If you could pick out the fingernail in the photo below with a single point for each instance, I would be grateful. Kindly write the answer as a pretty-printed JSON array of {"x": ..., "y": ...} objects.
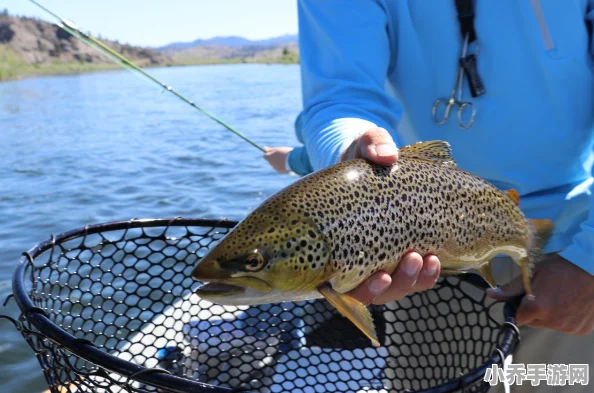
[
  {"x": 378, "y": 286},
  {"x": 385, "y": 150},
  {"x": 411, "y": 268},
  {"x": 431, "y": 269}
]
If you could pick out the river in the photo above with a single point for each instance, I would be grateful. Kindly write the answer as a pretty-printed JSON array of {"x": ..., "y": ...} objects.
[{"x": 109, "y": 146}]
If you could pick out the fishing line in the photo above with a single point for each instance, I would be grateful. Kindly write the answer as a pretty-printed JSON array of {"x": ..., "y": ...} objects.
[{"x": 128, "y": 64}]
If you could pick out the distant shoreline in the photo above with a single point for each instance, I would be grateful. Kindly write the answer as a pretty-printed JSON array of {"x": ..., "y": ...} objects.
[
  {"x": 75, "y": 68},
  {"x": 30, "y": 47}
]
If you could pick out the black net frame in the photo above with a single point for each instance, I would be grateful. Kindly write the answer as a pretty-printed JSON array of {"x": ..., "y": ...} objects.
[{"x": 70, "y": 286}]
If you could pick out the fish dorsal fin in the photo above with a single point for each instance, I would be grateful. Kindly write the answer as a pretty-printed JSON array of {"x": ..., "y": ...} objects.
[
  {"x": 514, "y": 196},
  {"x": 438, "y": 151}
]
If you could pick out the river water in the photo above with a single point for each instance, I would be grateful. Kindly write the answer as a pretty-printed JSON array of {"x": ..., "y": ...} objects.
[{"x": 109, "y": 146}]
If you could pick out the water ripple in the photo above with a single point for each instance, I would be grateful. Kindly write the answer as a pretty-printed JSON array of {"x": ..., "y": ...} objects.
[{"x": 76, "y": 150}]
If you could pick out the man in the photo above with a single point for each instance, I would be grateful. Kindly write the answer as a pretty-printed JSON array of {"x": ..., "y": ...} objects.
[{"x": 371, "y": 73}]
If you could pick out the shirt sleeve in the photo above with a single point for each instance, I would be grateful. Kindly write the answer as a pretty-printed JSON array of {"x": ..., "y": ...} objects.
[
  {"x": 345, "y": 56},
  {"x": 298, "y": 161}
]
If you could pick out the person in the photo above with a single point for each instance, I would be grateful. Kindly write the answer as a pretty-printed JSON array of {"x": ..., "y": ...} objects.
[{"x": 371, "y": 73}]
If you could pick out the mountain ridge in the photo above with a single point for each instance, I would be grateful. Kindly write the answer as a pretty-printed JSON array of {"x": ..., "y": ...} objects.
[{"x": 231, "y": 41}]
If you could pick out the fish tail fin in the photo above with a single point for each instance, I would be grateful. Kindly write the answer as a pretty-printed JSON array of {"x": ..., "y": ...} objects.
[{"x": 541, "y": 231}]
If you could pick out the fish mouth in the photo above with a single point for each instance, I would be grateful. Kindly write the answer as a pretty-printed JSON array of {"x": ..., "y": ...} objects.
[
  {"x": 232, "y": 286},
  {"x": 219, "y": 289}
]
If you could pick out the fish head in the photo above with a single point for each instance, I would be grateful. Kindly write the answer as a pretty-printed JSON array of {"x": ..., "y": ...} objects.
[{"x": 267, "y": 258}]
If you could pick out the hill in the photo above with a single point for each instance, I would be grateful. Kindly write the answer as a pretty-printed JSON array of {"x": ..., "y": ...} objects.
[
  {"x": 29, "y": 46},
  {"x": 233, "y": 49}
]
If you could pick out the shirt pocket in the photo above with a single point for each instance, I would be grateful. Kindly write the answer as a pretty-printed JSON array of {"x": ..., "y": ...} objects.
[{"x": 560, "y": 27}]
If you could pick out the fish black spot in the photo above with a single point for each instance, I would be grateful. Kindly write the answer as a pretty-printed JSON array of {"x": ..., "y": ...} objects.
[
  {"x": 311, "y": 233},
  {"x": 309, "y": 258},
  {"x": 271, "y": 230}
]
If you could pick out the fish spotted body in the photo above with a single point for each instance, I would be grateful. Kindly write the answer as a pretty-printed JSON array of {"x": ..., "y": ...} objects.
[{"x": 325, "y": 234}]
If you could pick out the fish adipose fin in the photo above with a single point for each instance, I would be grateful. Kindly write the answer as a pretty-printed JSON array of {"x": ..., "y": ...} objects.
[
  {"x": 354, "y": 310},
  {"x": 514, "y": 196},
  {"x": 438, "y": 151},
  {"x": 541, "y": 232}
]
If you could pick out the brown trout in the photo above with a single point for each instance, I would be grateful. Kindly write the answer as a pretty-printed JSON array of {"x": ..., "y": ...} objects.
[{"x": 329, "y": 231}]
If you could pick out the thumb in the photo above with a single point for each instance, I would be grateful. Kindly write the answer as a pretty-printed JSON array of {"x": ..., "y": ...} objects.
[
  {"x": 377, "y": 146},
  {"x": 508, "y": 291}
]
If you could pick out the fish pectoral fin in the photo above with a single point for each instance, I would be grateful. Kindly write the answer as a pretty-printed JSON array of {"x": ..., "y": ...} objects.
[
  {"x": 439, "y": 151},
  {"x": 486, "y": 273},
  {"x": 352, "y": 309},
  {"x": 514, "y": 196}
]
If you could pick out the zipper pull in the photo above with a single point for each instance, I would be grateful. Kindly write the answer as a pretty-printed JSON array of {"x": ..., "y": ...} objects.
[{"x": 469, "y": 64}]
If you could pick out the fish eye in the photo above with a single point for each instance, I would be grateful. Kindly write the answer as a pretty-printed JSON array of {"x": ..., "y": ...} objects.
[{"x": 254, "y": 262}]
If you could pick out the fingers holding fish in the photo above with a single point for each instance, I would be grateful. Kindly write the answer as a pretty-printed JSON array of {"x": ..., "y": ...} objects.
[
  {"x": 413, "y": 274},
  {"x": 370, "y": 289},
  {"x": 332, "y": 231},
  {"x": 429, "y": 274},
  {"x": 376, "y": 145},
  {"x": 568, "y": 308}
]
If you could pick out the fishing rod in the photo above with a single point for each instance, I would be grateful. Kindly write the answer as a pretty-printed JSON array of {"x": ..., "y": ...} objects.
[{"x": 120, "y": 59}]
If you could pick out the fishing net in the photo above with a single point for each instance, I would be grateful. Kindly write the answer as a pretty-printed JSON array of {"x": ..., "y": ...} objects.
[{"x": 111, "y": 308}]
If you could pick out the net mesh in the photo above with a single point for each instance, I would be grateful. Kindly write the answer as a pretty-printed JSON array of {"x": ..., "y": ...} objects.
[{"x": 127, "y": 291}]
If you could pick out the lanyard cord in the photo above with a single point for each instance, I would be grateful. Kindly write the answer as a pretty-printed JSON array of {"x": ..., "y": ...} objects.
[{"x": 465, "y": 9}]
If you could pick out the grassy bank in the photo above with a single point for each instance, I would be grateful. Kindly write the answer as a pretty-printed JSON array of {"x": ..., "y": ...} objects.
[{"x": 12, "y": 66}]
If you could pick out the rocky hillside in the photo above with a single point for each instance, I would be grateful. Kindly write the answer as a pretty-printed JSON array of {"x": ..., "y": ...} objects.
[
  {"x": 38, "y": 42},
  {"x": 30, "y": 46}
]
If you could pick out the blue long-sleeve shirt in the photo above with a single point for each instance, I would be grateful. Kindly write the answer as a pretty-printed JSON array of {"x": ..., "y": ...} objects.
[{"x": 383, "y": 63}]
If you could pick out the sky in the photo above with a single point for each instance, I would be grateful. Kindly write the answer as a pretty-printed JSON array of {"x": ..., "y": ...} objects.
[{"x": 159, "y": 22}]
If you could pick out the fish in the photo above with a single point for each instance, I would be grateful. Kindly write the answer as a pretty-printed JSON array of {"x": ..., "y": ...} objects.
[{"x": 324, "y": 234}]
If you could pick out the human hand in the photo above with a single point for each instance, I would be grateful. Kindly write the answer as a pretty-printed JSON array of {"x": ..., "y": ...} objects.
[
  {"x": 564, "y": 297},
  {"x": 277, "y": 157},
  {"x": 414, "y": 273}
]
